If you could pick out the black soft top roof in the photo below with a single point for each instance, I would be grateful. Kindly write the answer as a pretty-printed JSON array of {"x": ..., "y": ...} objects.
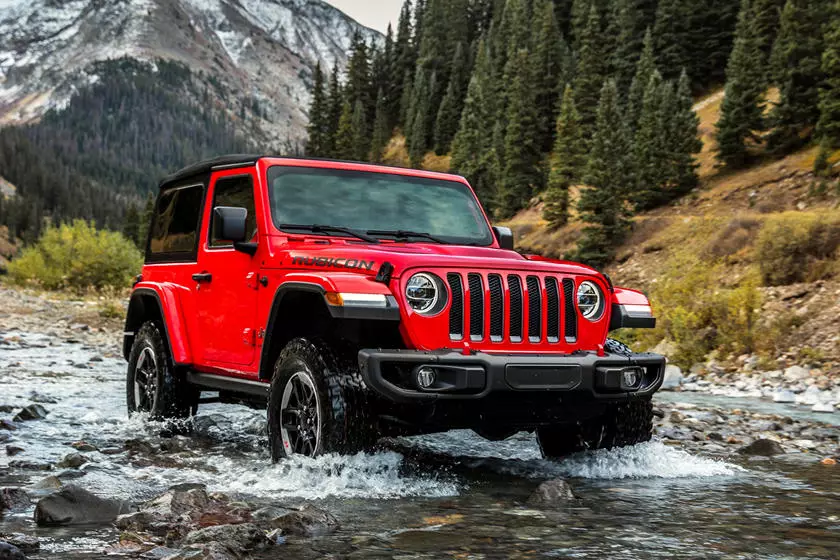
[{"x": 204, "y": 167}]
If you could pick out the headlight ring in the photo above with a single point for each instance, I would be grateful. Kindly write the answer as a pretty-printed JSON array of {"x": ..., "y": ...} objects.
[
  {"x": 425, "y": 294},
  {"x": 590, "y": 301}
]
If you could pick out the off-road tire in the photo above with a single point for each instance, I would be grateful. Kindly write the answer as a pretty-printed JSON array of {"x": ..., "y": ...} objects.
[
  {"x": 346, "y": 426},
  {"x": 622, "y": 424},
  {"x": 173, "y": 397}
]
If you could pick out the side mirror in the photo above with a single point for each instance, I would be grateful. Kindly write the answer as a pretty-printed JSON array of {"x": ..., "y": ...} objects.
[
  {"x": 504, "y": 237},
  {"x": 229, "y": 223}
]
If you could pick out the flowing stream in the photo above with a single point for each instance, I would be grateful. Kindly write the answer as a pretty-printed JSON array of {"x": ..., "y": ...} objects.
[{"x": 447, "y": 495}]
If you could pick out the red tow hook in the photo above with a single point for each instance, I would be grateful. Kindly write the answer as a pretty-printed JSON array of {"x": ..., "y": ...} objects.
[
  {"x": 600, "y": 351},
  {"x": 467, "y": 351}
]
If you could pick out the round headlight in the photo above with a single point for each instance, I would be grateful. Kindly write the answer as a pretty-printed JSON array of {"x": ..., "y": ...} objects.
[
  {"x": 589, "y": 301},
  {"x": 423, "y": 293}
]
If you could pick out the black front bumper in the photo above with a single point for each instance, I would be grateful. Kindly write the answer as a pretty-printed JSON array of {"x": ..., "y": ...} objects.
[{"x": 582, "y": 376}]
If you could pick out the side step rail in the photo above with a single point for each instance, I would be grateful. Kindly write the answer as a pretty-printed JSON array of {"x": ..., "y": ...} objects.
[{"x": 211, "y": 382}]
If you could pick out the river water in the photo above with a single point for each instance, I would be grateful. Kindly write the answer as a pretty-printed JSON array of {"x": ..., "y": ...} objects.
[{"x": 449, "y": 495}]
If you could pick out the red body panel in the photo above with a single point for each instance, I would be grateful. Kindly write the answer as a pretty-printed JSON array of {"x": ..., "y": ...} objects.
[{"x": 218, "y": 327}]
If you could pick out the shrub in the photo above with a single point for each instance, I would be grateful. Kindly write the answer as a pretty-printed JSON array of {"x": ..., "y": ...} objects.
[
  {"x": 77, "y": 257},
  {"x": 798, "y": 247}
]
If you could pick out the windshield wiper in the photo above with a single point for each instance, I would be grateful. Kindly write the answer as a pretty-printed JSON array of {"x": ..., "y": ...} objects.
[
  {"x": 318, "y": 228},
  {"x": 404, "y": 234}
]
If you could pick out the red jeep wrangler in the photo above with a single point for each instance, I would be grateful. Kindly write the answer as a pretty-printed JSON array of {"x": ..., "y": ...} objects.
[{"x": 358, "y": 301}]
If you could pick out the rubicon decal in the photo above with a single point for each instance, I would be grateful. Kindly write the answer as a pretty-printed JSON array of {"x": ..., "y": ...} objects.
[{"x": 329, "y": 262}]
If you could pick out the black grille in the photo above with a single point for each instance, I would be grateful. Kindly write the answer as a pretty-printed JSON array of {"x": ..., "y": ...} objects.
[
  {"x": 552, "y": 298},
  {"x": 570, "y": 327},
  {"x": 476, "y": 306},
  {"x": 534, "y": 308},
  {"x": 515, "y": 287},
  {"x": 497, "y": 308},
  {"x": 456, "y": 310}
]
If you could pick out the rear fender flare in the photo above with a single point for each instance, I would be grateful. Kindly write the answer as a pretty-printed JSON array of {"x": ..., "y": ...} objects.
[{"x": 158, "y": 301}]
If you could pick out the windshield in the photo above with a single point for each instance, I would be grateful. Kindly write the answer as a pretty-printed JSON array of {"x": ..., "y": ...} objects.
[{"x": 377, "y": 202}]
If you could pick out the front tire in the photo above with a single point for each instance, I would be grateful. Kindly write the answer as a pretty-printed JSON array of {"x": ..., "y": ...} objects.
[
  {"x": 152, "y": 385},
  {"x": 317, "y": 403}
]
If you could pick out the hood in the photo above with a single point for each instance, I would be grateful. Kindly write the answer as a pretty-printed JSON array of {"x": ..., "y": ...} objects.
[{"x": 338, "y": 253}]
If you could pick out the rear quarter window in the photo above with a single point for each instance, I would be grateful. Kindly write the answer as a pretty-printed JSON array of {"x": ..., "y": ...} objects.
[{"x": 173, "y": 233}]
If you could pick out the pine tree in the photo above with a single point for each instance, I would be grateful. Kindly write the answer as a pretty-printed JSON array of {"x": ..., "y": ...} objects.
[
  {"x": 449, "y": 114},
  {"x": 603, "y": 205},
  {"x": 521, "y": 176},
  {"x": 546, "y": 61},
  {"x": 797, "y": 67},
  {"x": 418, "y": 134},
  {"x": 591, "y": 72},
  {"x": 579, "y": 20},
  {"x": 318, "y": 128},
  {"x": 682, "y": 126},
  {"x": 567, "y": 162},
  {"x": 765, "y": 22},
  {"x": 335, "y": 104},
  {"x": 131, "y": 224},
  {"x": 358, "y": 83},
  {"x": 741, "y": 114},
  {"x": 472, "y": 150},
  {"x": 672, "y": 35},
  {"x": 381, "y": 128},
  {"x": 402, "y": 67},
  {"x": 649, "y": 155},
  {"x": 645, "y": 67},
  {"x": 345, "y": 135},
  {"x": 828, "y": 127}
]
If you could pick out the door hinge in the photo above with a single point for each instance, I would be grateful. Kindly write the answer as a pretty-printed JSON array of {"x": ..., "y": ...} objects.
[
  {"x": 252, "y": 280},
  {"x": 249, "y": 337}
]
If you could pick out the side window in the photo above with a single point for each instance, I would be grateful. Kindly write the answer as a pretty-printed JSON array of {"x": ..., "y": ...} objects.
[
  {"x": 174, "y": 227},
  {"x": 239, "y": 192}
]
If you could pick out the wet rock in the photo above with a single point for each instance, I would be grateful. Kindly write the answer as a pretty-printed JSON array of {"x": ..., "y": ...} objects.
[
  {"x": 73, "y": 505},
  {"x": 7, "y": 425},
  {"x": 4, "y": 437},
  {"x": 181, "y": 500},
  {"x": 135, "y": 521},
  {"x": 673, "y": 377},
  {"x": 83, "y": 446},
  {"x": 13, "y": 499},
  {"x": 209, "y": 425},
  {"x": 10, "y": 552},
  {"x": 6, "y": 409},
  {"x": 238, "y": 538},
  {"x": 552, "y": 493},
  {"x": 308, "y": 521},
  {"x": 72, "y": 461},
  {"x": 211, "y": 551},
  {"x": 784, "y": 396},
  {"x": 29, "y": 465},
  {"x": 763, "y": 447},
  {"x": 48, "y": 483},
  {"x": 822, "y": 407},
  {"x": 111, "y": 450},
  {"x": 43, "y": 399},
  {"x": 31, "y": 412},
  {"x": 12, "y": 450},
  {"x": 25, "y": 543}
]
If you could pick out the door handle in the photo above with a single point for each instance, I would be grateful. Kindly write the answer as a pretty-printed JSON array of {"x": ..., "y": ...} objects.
[{"x": 202, "y": 277}]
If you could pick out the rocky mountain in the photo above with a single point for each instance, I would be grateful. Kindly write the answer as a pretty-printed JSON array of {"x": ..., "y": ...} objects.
[{"x": 259, "y": 55}]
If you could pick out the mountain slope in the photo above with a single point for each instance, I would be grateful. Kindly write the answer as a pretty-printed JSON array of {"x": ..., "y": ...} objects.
[{"x": 263, "y": 51}]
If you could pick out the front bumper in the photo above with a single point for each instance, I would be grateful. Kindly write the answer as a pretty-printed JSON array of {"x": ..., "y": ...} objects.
[{"x": 582, "y": 375}]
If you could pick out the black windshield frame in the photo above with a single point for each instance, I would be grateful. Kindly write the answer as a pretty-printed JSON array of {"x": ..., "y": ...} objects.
[{"x": 484, "y": 239}]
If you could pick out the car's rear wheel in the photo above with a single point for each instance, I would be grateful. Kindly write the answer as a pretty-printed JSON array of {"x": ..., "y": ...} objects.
[
  {"x": 317, "y": 403},
  {"x": 622, "y": 424},
  {"x": 152, "y": 385}
]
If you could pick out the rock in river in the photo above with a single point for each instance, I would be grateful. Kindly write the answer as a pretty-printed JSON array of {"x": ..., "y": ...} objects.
[
  {"x": 551, "y": 493},
  {"x": 10, "y": 552},
  {"x": 308, "y": 521},
  {"x": 673, "y": 377},
  {"x": 238, "y": 538},
  {"x": 72, "y": 461},
  {"x": 31, "y": 412},
  {"x": 764, "y": 447},
  {"x": 13, "y": 499},
  {"x": 73, "y": 505}
]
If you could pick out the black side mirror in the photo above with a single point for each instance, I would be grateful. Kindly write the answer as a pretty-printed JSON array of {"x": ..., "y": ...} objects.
[
  {"x": 504, "y": 236},
  {"x": 229, "y": 224}
]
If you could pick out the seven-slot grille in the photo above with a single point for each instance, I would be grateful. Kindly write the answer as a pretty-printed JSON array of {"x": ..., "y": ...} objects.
[{"x": 531, "y": 297}]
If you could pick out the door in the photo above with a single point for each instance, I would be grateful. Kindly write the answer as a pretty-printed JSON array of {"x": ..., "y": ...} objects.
[{"x": 228, "y": 279}]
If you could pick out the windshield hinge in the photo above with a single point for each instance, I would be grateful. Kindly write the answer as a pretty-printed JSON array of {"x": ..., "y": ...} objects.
[{"x": 386, "y": 269}]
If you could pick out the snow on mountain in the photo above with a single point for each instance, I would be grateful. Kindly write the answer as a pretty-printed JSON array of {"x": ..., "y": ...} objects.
[{"x": 259, "y": 49}]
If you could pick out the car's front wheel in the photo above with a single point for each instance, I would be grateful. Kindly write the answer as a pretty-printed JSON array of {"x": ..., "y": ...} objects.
[
  {"x": 152, "y": 385},
  {"x": 317, "y": 403}
]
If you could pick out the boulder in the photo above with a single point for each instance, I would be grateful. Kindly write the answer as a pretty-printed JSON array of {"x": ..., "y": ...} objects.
[
  {"x": 10, "y": 552},
  {"x": 48, "y": 483},
  {"x": 238, "y": 538},
  {"x": 796, "y": 373},
  {"x": 83, "y": 446},
  {"x": 762, "y": 447},
  {"x": 552, "y": 493},
  {"x": 13, "y": 499},
  {"x": 72, "y": 461},
  {"x": 12, "y": 450},
  {"x": 25, "y": 543},
  {"x": 7, "y": 425},
  {"x": 73, "y": 505},
  {"x": 308, "y": 521},
  {"x": 673, "y": 377},
  {"x": 784, "y": 396},
  {"x": 823, "y": 407},
  {"x": 31, "y": 412},
  {"x": 188, "y": 500}
]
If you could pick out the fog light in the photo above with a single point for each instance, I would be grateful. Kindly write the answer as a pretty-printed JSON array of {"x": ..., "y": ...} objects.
[
  {"x": 631, "y": 377},
  {"x": 425, "y": 377}
]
